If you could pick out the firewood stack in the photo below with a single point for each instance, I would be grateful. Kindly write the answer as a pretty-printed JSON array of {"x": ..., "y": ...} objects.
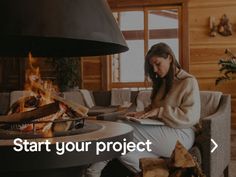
[
  {"x": 154, "y": 167},
  {"x": 180, "y": 164}
]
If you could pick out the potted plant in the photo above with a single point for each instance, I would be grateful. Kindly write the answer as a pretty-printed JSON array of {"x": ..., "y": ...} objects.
[
  {"x": 227, "y": 67},
  {"x": 67, "y": 72}
]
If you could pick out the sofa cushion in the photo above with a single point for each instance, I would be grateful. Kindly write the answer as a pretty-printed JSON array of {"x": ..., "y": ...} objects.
[
  {"x": 74, "y": 96},
  {"x": 143, "y": 99},
  {"x": 120, "y": 96},
  {"x": 209, "y": 102},
  {"x": 102, "y": 98},
  {"x": 87, "y": 98},
  {"x": 15, "y": 95}
]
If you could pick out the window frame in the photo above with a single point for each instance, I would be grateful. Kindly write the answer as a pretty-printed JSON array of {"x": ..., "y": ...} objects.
[{"x": 145, "y": 6}]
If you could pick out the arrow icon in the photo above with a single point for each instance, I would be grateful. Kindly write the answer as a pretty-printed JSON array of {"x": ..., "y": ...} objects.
[{"x": 215, "y": 146}]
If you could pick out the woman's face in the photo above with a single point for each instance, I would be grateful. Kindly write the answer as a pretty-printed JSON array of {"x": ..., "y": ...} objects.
[{"x": 161, "y": 65}]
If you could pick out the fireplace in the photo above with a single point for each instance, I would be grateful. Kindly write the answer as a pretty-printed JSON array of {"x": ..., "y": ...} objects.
[
  {"x": 58, "y": 28},
  {"x": 41, "y": 111}
]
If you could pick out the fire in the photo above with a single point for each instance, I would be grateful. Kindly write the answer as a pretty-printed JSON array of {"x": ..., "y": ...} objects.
[
  {"x": 41, "y": 94},
  {"x": 33, "y": 79}
]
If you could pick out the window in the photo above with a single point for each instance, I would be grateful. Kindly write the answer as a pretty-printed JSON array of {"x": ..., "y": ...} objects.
[
  {"x": 132, "y": 25},
  {"x": 163, "y": 26},
  {"x": 142, "y": 28}
]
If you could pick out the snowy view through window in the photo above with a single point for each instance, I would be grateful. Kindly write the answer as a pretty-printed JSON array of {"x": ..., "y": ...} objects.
[{"x": 162, "y": 26}]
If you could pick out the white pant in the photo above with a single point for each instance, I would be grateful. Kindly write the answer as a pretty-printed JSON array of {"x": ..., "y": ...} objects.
[{"x": 163, "y": 140}]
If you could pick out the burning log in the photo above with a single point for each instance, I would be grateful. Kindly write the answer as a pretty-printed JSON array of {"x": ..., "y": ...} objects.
[
  {"x": 24, "y": 117},
  {"x": 24, "y": 102},
  {"x": 62, "y": 126},
  {"x": 58, "y": 115},
  {"x": 79, "y": 109}
]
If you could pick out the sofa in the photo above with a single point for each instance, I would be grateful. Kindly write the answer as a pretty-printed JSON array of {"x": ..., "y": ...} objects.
[{"x": 215, "y": 123}]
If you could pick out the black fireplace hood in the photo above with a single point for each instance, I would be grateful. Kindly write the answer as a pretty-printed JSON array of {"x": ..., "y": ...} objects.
[{"x": 58, "y": 28}]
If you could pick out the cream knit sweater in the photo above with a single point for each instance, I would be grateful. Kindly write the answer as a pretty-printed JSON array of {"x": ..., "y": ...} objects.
[{"x": 181, "y": 107}]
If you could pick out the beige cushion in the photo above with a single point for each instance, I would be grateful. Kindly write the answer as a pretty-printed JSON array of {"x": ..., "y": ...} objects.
[
  {"x": 120, "y": 96},
  {"x": 209, "y": 102},
  {"x": 143, "y": 99},
  {"x": 16, "y": 95},
  {"x": 87, "y": 98},
  {"x": 74, "y": 96}
]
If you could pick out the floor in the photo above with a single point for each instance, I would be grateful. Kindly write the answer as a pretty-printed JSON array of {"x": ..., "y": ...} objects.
[{"x": 232, "y": 169}]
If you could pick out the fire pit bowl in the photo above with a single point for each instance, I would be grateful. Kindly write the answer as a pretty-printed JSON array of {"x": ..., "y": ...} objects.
[
  {"x": 51, "y": 164},
  {"x": 75, "y": 128}
]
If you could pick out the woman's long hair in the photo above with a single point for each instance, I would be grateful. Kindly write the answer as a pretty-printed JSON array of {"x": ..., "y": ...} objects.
[{"x": 160, "y": 50}]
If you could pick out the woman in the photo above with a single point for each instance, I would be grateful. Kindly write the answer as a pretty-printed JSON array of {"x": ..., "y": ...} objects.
[{"x": 175, "y": 100}]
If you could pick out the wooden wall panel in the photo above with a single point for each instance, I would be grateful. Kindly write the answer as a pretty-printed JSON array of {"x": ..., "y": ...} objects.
[
  {"x": 207, "y": 55},
  {"x": 205, "y": 51},
  {"x": 11, "y": 74},
  {"x": 95, "y": 73},
  {"x": 210, "y": 3},
  {"x": 91, "y": 73},
  {"x": 204, "y": 71},
  {"x": 199, "y": 22}
]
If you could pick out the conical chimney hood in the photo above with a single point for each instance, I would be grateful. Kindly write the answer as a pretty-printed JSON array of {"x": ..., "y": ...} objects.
[{"x": 58, "y": 28}]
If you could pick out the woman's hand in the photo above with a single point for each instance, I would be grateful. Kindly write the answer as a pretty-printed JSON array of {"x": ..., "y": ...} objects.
[
  {"x": 135, "y": 114},
  {"x": 149, "y": 114}
]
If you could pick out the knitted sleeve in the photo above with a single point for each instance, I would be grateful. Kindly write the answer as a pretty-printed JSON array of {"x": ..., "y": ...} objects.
[{"x": 187, "y": 113}]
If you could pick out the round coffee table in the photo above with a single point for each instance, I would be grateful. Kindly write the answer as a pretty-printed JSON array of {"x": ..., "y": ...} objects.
[{"x": 51, "y": 164}]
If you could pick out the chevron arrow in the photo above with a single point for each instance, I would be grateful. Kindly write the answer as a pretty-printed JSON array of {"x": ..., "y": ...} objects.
[{"x": 215, "y": 145}]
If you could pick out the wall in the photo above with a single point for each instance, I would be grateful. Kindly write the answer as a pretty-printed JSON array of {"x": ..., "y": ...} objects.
[
  {"x": 11, "y": 73},
  {"x": 205, "y": 51},
  {"x": 95, "y": 73}
]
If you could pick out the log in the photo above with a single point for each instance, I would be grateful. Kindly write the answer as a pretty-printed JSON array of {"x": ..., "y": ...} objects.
[
  {"x": 26, "y": 117},
  {"x": 81, "y": 110},
  {"x": 181, "y": 164},
  {"x": 29, "y": 101},
  {"x": 58, "y": 115},
  {"x": 62, "y": 126},
  {"x": 152, "y": 167},
  {"x": 181, "y": 158}
]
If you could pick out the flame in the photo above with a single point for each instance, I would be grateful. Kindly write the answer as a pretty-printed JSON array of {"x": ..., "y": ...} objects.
[{"x": 33, "y": 78}]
